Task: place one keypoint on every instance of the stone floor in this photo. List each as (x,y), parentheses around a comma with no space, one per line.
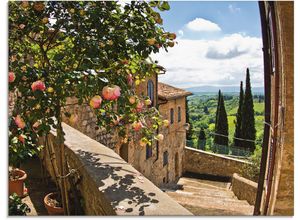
(209,198)
(38,186)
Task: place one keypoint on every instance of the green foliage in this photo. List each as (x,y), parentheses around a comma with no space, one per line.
(77,48)
(16,206)
(201,139)
(252,170)
(196,105)
(221,124)
(248,130)
(238,124)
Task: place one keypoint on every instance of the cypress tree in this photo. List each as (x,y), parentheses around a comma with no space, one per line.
(201,140)
(248,121)
(221,126)
(238,125)
(217,117)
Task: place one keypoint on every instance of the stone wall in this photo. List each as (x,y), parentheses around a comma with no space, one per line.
(107,184)
(202,162)
(87,122)
(243,188)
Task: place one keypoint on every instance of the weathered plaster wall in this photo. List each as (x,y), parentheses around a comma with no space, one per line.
(243,188)
(202,162)
(109,185)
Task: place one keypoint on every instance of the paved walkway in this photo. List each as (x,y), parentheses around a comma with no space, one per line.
(206,197)
(37,187)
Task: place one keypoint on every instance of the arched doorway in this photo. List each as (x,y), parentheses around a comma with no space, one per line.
(124,151)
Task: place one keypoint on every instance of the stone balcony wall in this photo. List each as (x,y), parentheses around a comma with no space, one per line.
(106,183)
(243,188)
(202,162)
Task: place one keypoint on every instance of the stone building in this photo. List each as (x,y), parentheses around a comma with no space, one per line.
(163,161)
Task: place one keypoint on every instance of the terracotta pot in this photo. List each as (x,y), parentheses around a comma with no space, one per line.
(52,210)
(17,186)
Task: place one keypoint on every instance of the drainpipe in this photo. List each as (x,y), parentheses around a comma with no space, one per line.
(267,88)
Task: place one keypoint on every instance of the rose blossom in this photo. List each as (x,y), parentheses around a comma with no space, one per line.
(38,85)
(19,122)
(96,101)
(137,126)
(11,77)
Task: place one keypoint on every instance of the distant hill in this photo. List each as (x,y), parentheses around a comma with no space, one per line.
(224,89)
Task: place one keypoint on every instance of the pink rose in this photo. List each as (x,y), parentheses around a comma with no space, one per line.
(111,93)
(11,77)
(19,122)
(129,79)
(38,85)
(139,107)
(137,126)
(21,139)
(96,101)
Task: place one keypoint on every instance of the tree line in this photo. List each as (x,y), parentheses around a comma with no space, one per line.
(244,123)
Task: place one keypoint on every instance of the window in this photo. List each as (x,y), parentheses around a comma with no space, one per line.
(172,115)
(148,151)
(179,114)
(165,161)
(150,91)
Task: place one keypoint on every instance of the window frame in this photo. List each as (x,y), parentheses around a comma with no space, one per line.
(150,91)
(172,116)
(165,158)
(179,113)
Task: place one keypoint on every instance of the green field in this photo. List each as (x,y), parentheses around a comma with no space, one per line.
(202,109)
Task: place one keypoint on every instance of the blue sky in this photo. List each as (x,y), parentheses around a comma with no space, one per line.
(217,41)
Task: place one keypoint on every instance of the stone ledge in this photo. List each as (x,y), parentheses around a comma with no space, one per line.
(109,185)
(244,189)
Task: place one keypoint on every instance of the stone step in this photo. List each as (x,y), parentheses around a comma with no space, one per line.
(206,202)
(202,183)
(213,196)
(205,191)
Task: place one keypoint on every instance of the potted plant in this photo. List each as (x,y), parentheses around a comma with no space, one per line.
(16,206)
(52,202)
(21,147)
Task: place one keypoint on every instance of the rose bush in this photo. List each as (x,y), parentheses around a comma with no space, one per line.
(95,51)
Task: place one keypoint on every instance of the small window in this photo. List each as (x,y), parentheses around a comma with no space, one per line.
(165,162)
(148,151)
(150,91)
(172,115)
(179,114)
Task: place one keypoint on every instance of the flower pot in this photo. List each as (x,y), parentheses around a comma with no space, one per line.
(52,209)
(16,182)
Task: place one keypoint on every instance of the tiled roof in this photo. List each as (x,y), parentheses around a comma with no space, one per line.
(167,92)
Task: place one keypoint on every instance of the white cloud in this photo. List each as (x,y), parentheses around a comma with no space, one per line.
(202,25)
(213,62)
(234,9)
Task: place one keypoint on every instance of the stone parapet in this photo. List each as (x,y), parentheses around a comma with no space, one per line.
(107,184)
(243,188)
(203,162)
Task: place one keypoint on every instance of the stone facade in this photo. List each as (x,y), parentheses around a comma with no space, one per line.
(282,191)
(202,162)
(173,144)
